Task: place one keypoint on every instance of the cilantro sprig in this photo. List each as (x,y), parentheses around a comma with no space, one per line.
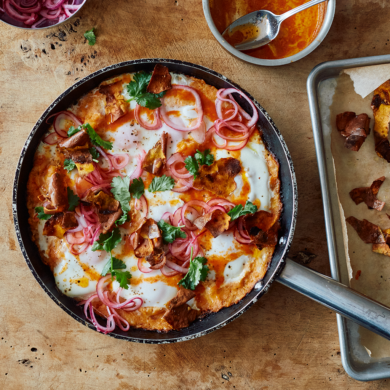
(137,91)
(204,158)
(41,214)
(197,273)
(121,192)
(192,163)
(163,183)
(95,137)
(137,188)
(170,233)
(69,165)
(95,154)
(238,211)
(73,199)
(108,242)
(90,36)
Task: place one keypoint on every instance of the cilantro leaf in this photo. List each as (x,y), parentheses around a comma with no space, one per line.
(239,211)
(204,158)
(137,91)
(95,154)
(150,100)
(249,208)
(139,84)
(121,192)
(123,278)
(41,213)
(192,163)
(163,183)
(192,166)
(124,217)
(69,165)
(137,188)
(73,130)
(169,232)
(197,273)
(90,36)
(113,264)
(108,241)
(73,200)
(95,138)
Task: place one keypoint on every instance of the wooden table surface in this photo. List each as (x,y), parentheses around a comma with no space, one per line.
(285,341)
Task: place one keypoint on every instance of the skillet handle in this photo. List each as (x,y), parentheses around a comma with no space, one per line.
(338,297)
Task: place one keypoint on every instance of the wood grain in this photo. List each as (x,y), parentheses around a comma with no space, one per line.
(285,341)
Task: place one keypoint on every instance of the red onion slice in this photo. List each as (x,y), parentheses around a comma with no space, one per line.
(167,272)
(198,104)
(175,267)
(52,139)
(156,124)
(143,268)
(255,114)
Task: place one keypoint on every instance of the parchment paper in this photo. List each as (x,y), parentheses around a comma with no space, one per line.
(360,169)
(368,78)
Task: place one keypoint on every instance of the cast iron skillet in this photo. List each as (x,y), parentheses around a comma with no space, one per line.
(321,288)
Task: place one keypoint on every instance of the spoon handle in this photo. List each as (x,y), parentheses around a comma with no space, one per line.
(298,9)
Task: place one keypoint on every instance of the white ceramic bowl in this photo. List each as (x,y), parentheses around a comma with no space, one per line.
(330,11)
(5,18)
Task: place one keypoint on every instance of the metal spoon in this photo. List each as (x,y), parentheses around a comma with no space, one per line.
(263,25)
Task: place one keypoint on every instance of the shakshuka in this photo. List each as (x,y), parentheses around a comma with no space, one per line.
(154,200)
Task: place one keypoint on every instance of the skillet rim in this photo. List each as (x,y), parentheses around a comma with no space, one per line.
(286,241)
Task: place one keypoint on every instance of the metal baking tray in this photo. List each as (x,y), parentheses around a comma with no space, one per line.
(354,357)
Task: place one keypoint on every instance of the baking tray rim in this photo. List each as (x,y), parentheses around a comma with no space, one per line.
(321,72)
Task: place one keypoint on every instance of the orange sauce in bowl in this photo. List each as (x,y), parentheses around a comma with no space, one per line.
(296,33)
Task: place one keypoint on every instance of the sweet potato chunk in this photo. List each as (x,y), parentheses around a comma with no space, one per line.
(157,259)
(104,203)
(355,129)
(380,105)
(80,139)
(262,227)
(57,193)
(156,157)
(59,224)
(107,208)
(145,249)
(115,103)
(216,222)
(108,220)
(160,81)
(367,231)
(368,195)
(148,241)
(77,148)
(218,177)
(179,314)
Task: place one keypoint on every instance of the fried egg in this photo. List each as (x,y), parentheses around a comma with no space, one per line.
(234,268)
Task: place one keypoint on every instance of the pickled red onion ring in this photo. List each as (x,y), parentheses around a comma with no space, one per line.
(143,268)
(240,238)
(119,161)
(167,272)
(138,170)
(176,267)
(52,139)
(157,123)
(49,12)
(218,106)
(228,91)
(199,109)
